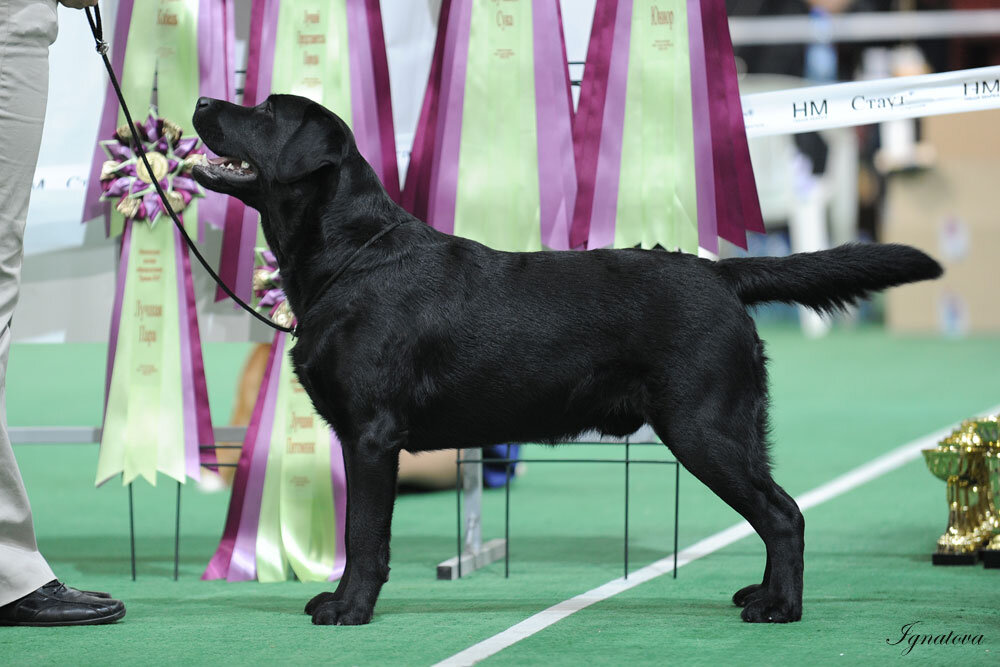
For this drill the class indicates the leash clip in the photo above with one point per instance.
(102, 47)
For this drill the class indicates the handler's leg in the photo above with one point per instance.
(26, 30)
(29, 592)
(22, 568)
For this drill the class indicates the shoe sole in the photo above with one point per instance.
(117, 616)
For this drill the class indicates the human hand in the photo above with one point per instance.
(79, 4)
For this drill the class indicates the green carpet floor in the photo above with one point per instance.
(837, 403)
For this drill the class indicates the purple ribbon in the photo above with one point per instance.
(605, 204)
(588, 124)
(216, 71)
(236, 559)
(383, 98)
(727, 201)
(418, 174)
(444, 164)
(363, 120)
(556, 169)
(703, 159)
(239, 235)
(751, 217)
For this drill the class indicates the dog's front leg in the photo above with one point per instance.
(371, 465)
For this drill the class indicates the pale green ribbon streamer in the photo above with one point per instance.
(297, 519)
(319, 71)
(499, 131)
(166, 52)
(297, 522)
(144, 425)
(657, 192)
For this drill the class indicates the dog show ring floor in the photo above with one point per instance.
(838, 404)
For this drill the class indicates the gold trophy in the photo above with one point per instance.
(991, 460)
(968, 460)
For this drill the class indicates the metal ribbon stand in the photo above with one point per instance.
(472, 554)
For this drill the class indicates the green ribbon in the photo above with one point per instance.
(163, 48)
(297, 518)
(311, 53)
(144, 425)
(499, 142)
(658, 135)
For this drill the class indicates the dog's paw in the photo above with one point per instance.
(338, 612)
(770, 608)
(743, 596)
(313, 604)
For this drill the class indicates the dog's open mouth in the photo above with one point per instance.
(230, 167)
(226, 169)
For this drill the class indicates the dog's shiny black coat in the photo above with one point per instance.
(431, 341)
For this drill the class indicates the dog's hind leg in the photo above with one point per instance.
(371, 463)
(723, 461)
(716, 427)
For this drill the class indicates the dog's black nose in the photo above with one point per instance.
(203, 103)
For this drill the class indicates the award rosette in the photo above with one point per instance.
(332, 52)
(182, 50)
(659, 136)
(156, 404)
(288, 507)
(492, 158)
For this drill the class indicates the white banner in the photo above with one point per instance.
(866, 102)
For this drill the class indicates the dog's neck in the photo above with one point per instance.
(312, 238)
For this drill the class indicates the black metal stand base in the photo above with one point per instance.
(954, 559)
(990, 558)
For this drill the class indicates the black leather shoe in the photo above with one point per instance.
(55, 604)
(93, 594)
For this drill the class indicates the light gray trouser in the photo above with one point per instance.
(27, 28)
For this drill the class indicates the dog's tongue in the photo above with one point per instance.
(220, 160)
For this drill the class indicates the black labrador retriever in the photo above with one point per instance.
(417, 340)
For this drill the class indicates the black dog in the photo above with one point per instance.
(419, 340)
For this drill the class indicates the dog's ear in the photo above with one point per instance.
(318, 142)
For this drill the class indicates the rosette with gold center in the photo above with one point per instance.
(171, 157)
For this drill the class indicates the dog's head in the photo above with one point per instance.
(271, 149)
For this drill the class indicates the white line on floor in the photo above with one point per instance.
(543, 619)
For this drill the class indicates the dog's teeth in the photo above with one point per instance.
(229, 165)
(245, 165)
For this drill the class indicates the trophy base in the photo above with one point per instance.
(954, 559)
(991, 558)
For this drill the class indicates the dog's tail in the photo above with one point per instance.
(827, 280)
